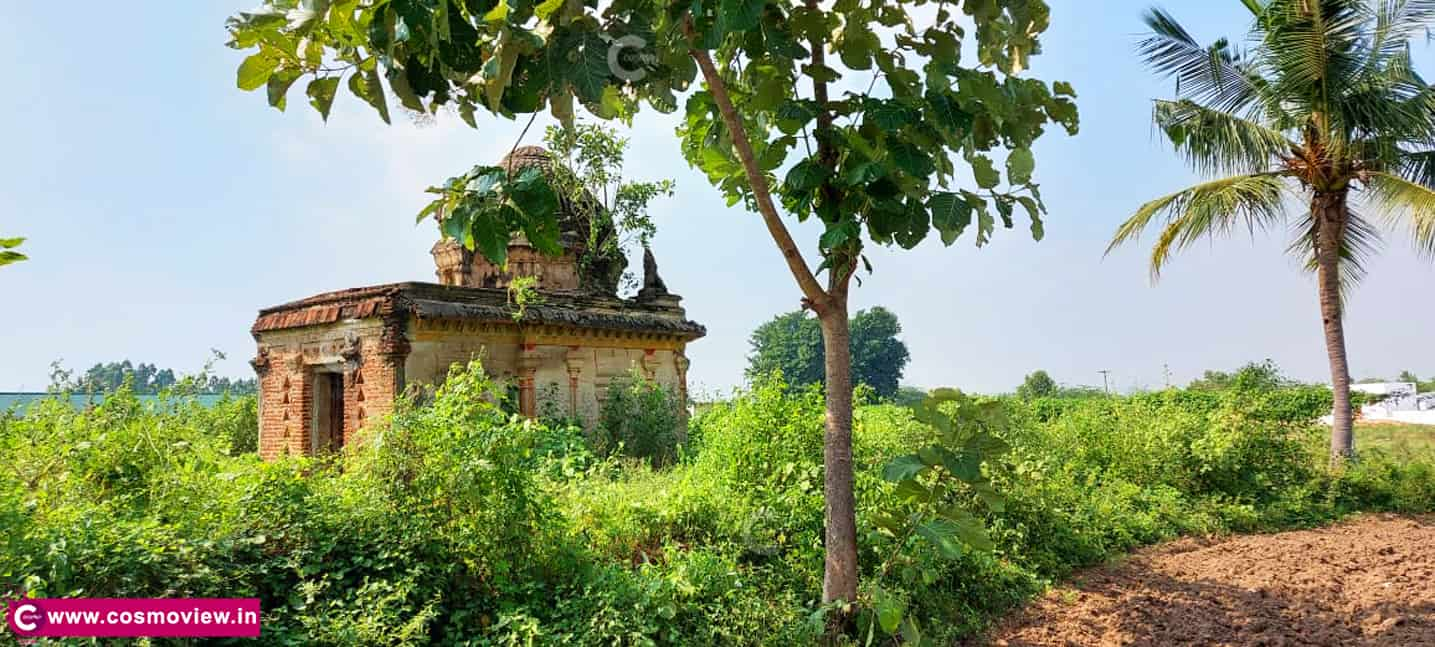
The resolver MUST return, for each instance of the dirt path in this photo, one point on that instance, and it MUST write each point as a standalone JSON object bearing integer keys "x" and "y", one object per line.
{"x": 1369, "y": 581}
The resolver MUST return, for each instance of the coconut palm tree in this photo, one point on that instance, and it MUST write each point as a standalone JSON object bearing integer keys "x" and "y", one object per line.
{"x": 1322, "y": 105}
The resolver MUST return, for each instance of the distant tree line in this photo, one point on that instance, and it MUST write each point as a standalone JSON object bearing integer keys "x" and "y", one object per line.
{"x": 143, "y": 378}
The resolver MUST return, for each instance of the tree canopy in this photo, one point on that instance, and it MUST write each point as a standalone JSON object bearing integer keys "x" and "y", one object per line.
{"x": 1038, "y": 384}
{"x": 792, "y": 342}
{"x": 873, "y": 163}
{"x": 1257, "y": 376}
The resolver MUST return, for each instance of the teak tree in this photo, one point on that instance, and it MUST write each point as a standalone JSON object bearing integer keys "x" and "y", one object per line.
{"x": 792, "y": 342}
{"x": 1325, "y": 107}
{"x": 867, "y": 142}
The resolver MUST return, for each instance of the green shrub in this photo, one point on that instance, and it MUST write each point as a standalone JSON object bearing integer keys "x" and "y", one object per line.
{"x": 639, "y": 418}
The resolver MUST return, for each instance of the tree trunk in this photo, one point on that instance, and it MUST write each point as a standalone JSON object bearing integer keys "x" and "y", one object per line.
{"x": 839, "y": 581}
{"x": 1330, "y": 214}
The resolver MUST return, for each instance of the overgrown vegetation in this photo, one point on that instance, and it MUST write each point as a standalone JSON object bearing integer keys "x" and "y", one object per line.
{"x": 639, "y": 418}
{"x": 459, "y": 522}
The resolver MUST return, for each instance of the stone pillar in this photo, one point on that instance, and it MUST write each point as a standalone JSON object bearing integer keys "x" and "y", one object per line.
{"x": 681, "y": 363}
{"x": 574, "y": 360}
{"x": 528, "y": 360}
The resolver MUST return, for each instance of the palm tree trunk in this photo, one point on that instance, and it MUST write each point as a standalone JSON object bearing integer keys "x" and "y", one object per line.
{"x": 839, "y": 582}
{"x": 1330, "y": 213}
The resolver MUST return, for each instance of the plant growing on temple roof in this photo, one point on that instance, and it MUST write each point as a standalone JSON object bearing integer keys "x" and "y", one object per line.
{"x": 588, "y": 174}
{"x": 523, "y": 292}
{"x": 873, "y": 166}
{"x": 1326, "y": 107}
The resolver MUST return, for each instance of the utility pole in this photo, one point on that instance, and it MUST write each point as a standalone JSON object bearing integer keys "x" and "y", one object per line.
{"x": 1166, "y": 372}
{"x": 1105, "y": 384}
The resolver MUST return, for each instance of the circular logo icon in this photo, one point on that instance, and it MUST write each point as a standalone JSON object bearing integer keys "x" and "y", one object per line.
{"x": 25, "y": 617}
{"x": 627, "y": 58}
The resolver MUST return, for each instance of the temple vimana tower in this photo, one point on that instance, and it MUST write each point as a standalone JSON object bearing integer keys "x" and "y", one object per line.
{"x": 330, "y": 363}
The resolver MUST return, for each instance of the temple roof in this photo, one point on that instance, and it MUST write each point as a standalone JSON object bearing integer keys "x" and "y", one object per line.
{"x": 434, "y": 301}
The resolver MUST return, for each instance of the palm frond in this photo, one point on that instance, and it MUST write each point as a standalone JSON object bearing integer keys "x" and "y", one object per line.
{"x": 1215, "y": 76}
{"x": 1392, "y": 23}
{"x": 1360, "y": 242}
{"x": 1312, "y": 48}
{"x": 1390, "y": 100}
{"x": 1215, "y": 142}
{"x": 1210, "y": 209}
{"x": 1405, "y": 205}
{"x": 1418, "y": 167}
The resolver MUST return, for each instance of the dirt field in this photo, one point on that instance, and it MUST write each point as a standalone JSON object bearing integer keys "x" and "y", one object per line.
{"x": 1370, "y": 581}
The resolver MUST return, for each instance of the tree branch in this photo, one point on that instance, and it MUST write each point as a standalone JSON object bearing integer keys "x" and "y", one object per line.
{"x": 761, "y": 192}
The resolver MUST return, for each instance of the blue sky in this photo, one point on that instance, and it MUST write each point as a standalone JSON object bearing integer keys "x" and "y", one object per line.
{"x": 164, "y": 208}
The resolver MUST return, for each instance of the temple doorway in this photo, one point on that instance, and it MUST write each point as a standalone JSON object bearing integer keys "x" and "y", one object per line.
{"x": 328, "y": 412}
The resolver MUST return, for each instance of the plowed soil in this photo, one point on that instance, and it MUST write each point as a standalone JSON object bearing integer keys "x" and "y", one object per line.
{"x": 1369, "y": 581}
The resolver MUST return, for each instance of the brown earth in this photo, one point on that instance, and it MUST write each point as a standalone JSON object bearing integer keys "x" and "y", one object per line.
{"x": 1369, "y": 581}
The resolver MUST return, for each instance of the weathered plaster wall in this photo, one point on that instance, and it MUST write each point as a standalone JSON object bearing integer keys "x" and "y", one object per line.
{"x": 570, "y": 368}
{"x": 555, "y": 369}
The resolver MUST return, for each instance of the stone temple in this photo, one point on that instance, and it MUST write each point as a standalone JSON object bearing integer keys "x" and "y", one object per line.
{"x": 331, "y": 363}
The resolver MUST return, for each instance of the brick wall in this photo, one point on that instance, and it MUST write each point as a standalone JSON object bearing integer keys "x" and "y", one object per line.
{"x": 288, "y": 377}
{"x": 286, "y": 398}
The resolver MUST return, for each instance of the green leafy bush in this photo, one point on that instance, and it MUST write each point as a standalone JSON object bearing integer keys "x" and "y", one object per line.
{"x": 639, "y": 418}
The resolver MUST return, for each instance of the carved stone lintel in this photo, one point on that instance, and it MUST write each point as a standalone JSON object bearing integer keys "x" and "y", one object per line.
{"x": 351, "y": 352}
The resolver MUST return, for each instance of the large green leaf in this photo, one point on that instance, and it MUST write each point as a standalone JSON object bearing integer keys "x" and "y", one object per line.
{"x": 366, "y": 86}
{"x": 740, "y": 15}
{"x": 950, "y": 214}
{"x": 911, "y": 159}
{"x": 278, "y": 86}
{"x": 943, "y": 535}
{"x": 321, "y": 94}
{"x": 587, "y": 67}
{"x": 902, "y": 468}
{"x": 985, "y": 173}
{"x": 255, "y": 70}
{"x": 805, "y": 177}
{"x": 1019, "y": 166}
{"x": 890, "y": 610}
